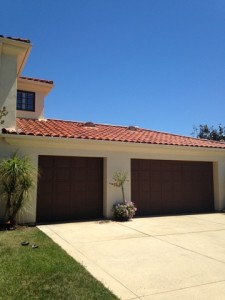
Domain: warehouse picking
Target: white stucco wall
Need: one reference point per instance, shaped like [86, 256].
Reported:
[41, 90]
[39, 108]
[13, 55]
[117, 156]
[8, 87]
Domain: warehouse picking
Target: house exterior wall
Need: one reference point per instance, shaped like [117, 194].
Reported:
[39, 108]
[13, 55]
[41, 90]
[117, 156]
[8, 87]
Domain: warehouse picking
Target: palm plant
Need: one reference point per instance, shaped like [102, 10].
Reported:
[16, 182]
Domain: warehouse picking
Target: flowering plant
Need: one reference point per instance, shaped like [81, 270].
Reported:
[124, 211]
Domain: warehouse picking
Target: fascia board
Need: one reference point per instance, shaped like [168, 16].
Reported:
[16, 48]
[52, 142]
[32, 85]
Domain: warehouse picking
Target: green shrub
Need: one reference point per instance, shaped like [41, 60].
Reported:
[16, 182]
[124, 211]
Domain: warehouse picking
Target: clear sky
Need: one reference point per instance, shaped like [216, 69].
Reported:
[157, 64]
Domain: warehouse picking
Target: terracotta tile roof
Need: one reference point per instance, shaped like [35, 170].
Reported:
[15, 39]
[37, 79]
[80, 130]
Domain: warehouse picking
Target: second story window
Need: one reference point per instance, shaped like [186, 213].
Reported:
[25, 101]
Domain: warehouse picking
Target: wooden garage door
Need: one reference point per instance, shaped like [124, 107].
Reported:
[168, 187]
[69, 188]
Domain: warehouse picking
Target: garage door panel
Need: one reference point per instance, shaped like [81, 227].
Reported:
[61, 187]
[170, 166]
[60, 210]
[146, 175]
[146, 184]
[46, 161]
[142, 166]
[155, 165]
[79, 186]
[135, 165]
[156, 186]
[135, 176]
[172, 186]
[45, 169]
[71, 190]
[155, 175]
[61, 162]
[61, 174]
[47, 175]
[93, 163]
[155, 201]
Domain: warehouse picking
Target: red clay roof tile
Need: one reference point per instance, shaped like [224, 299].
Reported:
[15, 39]
[37, 79]
[78, 130]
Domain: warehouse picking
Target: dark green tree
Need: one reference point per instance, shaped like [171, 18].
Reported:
[209, 133]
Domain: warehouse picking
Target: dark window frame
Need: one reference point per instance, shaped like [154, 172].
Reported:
[28, 106]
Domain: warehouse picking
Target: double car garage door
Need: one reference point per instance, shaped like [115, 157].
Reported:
[71, 188]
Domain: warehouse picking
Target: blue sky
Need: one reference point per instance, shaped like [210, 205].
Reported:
[157, 64]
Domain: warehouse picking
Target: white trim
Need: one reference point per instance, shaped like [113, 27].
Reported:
[71, 142]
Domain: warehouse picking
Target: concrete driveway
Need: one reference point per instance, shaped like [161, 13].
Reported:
[175, 257]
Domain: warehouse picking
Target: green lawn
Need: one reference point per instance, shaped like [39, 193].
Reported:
[43, 273]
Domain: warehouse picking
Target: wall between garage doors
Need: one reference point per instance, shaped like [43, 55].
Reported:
[117, 156]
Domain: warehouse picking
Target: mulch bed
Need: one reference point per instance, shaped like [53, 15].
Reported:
[9, 227]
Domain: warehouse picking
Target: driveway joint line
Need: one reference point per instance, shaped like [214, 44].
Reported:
[167, 242]
[198, 253]
[139, 231]
[202, 219]
[136, 296]
[169, 234]
[115, 239]
[190, 232]
[184, 288]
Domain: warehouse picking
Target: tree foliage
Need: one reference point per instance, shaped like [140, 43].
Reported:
[3, 113]
[209, 133]
[119, 178]
[16, 182]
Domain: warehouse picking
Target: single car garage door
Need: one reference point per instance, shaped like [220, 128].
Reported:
[170, 187]
[69, 188]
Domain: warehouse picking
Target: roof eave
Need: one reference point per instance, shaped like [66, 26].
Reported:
[42, 86]
[22, 60]
[17, 48]
[15, 138]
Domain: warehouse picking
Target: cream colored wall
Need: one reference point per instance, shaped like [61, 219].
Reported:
[117, 156]
[219, 184]
[13, 55]
[41, 90]
[116, 163]
[39, 108]
[8, 68]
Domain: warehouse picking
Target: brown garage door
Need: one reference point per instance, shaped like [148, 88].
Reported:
[167, 187]
[69, 188]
